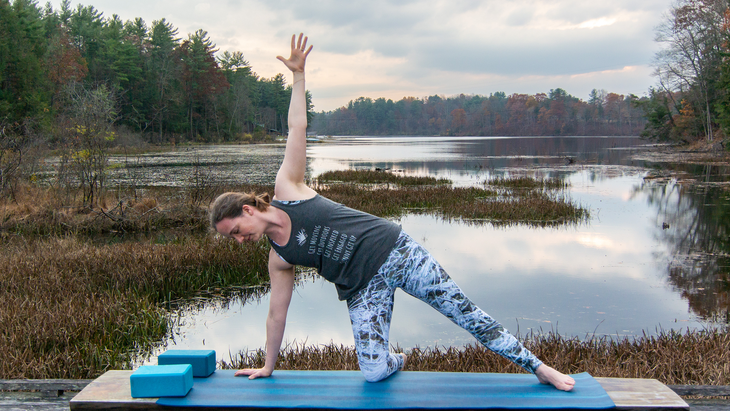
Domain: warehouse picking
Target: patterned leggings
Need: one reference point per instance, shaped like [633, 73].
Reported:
[410, 267]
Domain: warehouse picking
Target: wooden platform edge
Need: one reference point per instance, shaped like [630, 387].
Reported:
[702, 390]
[57, 387]
[43, 385]
[78, 385]
[641, 394]
[111, 391]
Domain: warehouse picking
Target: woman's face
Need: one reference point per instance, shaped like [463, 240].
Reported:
[246, 227]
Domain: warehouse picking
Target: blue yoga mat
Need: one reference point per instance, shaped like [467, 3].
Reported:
[403, 390]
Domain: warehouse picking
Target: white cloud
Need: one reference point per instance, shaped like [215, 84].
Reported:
[394, 48]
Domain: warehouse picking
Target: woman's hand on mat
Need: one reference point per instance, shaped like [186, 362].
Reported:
[299, 52]
[549, 375]
[254, 373]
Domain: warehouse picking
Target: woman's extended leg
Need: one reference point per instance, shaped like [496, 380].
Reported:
[413, 269]
[370, 312]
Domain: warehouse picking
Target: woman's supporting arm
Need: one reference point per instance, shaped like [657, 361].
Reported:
[282, 286]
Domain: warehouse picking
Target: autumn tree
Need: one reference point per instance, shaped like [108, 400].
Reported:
[689, 63]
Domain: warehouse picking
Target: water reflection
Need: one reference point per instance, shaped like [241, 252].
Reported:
[468, 160]
[692, 225]
[624, 273]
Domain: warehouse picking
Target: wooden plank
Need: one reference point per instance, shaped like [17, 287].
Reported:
[111, 391]
[709, 405]
[23, 400]
[641, 394]
[43, 385]
[703, 390]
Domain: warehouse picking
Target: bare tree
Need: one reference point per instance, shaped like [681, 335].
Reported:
[689, 63]
[90, 134]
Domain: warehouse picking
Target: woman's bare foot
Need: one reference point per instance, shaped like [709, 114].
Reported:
[549, 375]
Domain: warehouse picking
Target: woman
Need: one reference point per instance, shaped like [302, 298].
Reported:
[365, 256]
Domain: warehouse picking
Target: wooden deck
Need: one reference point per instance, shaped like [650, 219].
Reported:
[61, 395]
[111, 392]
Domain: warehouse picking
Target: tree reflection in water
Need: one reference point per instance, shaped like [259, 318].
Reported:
[693, 223]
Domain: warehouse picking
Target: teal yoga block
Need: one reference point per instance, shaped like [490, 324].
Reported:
[161, 381]
[203, 361]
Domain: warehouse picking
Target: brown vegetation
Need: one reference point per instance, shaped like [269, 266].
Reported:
[528, 183]
[72, 309]
[670, 357]
[377, 177]
[538, 202]
[75, 306]
[46, 211]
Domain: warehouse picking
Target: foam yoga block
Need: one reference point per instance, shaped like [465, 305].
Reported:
[161, 381]
[203, 361]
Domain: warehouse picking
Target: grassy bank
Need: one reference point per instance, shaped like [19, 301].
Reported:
[86, 289]
[501, 202]
[377, 177]
[43, 211]
[701, 357]
[73, 309]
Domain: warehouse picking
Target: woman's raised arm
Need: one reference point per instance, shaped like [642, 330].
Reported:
[290, 178]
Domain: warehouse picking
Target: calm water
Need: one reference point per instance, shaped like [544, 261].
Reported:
[623, 273]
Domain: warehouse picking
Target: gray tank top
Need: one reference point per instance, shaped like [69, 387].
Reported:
[346, 246]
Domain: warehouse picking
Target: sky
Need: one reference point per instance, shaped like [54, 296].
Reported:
[396, 49]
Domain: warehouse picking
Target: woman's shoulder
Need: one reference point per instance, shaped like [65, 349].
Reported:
[292, 202]
[294, 192]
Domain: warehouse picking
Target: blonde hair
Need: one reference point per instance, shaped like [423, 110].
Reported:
[230, 205]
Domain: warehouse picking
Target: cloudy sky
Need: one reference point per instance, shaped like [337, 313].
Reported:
[393, 49]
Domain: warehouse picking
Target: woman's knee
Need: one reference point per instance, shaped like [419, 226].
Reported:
[376, 369]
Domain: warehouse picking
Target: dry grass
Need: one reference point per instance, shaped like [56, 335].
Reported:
[671, 357]
[528, 183]
[45, 211]
[540, 202]
[376, 177]
[37, 211]
[470, 204]
[72, 309]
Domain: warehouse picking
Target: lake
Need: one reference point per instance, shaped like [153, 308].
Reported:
[652, 257]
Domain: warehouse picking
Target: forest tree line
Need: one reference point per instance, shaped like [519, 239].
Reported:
[554, 114]
[691, 99]
[79, 83]
[159, 84]
[165, 87]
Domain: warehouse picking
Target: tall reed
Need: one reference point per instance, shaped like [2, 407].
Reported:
[377, 177]
[72, 309]
[672, 357]
[527, 200]
[472, 204]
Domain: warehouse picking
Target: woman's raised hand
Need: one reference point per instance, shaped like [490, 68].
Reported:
[298, 56]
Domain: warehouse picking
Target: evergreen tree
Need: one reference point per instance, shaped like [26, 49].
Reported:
[24, 93]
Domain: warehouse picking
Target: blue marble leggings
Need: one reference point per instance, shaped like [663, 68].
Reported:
[410, 267]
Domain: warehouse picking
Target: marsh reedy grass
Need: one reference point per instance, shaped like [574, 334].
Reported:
[377, 177]
[539, 203]
[72, 309]
[75, 302]
[527, 183]
[692, 357]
